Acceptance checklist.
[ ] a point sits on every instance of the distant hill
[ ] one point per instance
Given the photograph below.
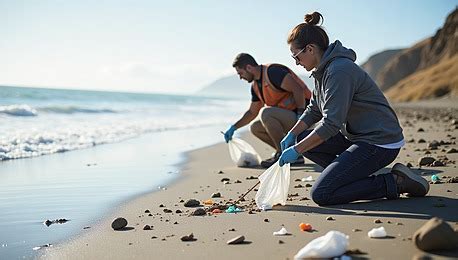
(233, 87)
(376, 62)
(426, 70)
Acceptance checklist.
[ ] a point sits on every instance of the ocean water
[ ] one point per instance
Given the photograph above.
(79, 154)
(37, 122)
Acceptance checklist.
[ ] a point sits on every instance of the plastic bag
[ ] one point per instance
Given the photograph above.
(243, 154)
(333, 244)
(274, 186)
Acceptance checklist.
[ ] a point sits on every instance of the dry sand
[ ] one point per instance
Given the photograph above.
(201, 178)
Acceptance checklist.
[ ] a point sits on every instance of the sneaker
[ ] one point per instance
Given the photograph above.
(409, 182)
(269, 162)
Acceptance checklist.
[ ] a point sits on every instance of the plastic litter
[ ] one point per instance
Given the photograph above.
(243, 154)
(233, 209)
(435, 178)
(333, 244)
(274, 186)
(208, 202)
(305, 226)
(377, 232)
(310, 178)
(217, 211)
(281, 232)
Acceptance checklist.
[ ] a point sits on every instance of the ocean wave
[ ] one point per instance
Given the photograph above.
(18, 110)
(74, 109)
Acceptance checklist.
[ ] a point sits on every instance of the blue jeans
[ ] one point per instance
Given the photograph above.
(347, 169)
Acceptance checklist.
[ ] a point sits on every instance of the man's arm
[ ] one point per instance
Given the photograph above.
(249, 115)
(290, 85)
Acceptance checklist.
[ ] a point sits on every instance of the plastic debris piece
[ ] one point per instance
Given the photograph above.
(305, 227)
(233, 209)
(208, 202)
(281, 232)
(310, 178)
(217, 211)
(377, 232)
(333, 244)
(435, 178)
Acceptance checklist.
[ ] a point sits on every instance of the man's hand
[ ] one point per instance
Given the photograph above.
(229, 133)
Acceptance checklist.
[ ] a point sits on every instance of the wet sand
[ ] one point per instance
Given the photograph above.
(205, 168)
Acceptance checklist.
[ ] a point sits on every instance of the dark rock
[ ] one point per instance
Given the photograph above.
(225, 179)
(236, 240)
(167, 211)
(330, 218)
(377, 221)
(188, 238)
(452, 150)
(199, 212)
(266, 220)
(178, 211)
(220, 172)
(161, 206)
(355, 252)
(216, 195)
(437, 164)
(281, 242)
(433, 145)
(119, 223)
(356, 230)
(453, 180)
(232, 229)
(147, 211)
(308, 185)
(252, 178)
(436, 234)
(420, 130)
(425, 161)
(238, 181)
(147, 227)
(192, 203)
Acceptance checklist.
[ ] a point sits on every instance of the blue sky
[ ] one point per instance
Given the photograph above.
(179, 46)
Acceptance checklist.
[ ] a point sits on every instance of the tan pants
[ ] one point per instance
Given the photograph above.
(273, 124)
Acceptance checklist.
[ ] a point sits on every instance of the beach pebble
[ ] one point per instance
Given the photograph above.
(453, 180)
(188, 238)
(192, 203)
(330, 218)
(225, 179)
(356, 230)
(236, 240)
(281, 242)
(178, 211)
(252, 178)
(436, 234)
(377, 221)
(147, 211)
(167, 211)
(266, 220)
(421, 140)
(220, 172)
(161, 206)
(147, 227)
(452, 150)
(425, 160)
(377, 232)
(119, 223)
(238, 181)
(420, 130)
(216, 195)
(199, 212)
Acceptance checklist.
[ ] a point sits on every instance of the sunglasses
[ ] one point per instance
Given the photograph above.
(297, 54)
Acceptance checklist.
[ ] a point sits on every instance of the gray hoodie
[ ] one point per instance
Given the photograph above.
(346, 99)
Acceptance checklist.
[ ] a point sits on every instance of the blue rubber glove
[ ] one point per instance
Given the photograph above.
(229, 133)
(290, 155)
(287, 141)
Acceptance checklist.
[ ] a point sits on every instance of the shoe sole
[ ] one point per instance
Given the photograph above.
(405, 172)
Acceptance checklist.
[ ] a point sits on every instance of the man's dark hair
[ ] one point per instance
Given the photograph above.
(244, 59)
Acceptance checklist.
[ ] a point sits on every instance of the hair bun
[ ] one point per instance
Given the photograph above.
(313, 18)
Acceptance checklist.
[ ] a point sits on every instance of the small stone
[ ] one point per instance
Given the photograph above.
(178, 211)
(452, 150)
(377, 221)
(330, 218)
(453, 180)
(199, 212)
(150, 215)
(216, 195)
(433, 145)
(399, 224)
(232, 229)
(308, 185)
(147, 211)
(225, 179)
(161, 206)
(356, 230)
(437, 164)
(266, 220)
(167, 211)
(220, 172)
(355, 252)
(252, 178)
(181, 201)
(420, 130)
(425, 160)
(153, 237)
(192, 203)
(236, 240)
(281, 242)
(119, 223)
(175, 223)
(188, 238)
(421, 141)
(299, 186)
(238, 181)
(147, 227)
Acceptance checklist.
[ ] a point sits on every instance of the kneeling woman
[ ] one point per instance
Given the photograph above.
(357, 132)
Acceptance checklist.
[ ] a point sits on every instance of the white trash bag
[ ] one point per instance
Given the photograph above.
(243, 154)
(333, 244)
(274, 186)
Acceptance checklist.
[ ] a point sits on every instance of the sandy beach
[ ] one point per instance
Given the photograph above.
(201, 177)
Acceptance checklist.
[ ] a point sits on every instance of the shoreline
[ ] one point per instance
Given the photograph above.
(199, 179)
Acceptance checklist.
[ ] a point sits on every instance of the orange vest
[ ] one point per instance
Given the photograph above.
(277, 98)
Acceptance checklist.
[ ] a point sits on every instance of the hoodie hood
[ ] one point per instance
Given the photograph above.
(334, 50)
